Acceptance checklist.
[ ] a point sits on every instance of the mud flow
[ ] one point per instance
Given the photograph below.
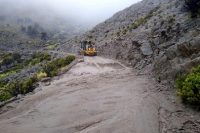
(96, 65)
(96, 96)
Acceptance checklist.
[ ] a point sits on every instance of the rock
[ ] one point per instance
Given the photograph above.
(188, 48)
(46, 79)
(183, 49)
(47, 83)
(171, 52)
(190, 64)
(156, 41)
(195, 44)
(146, 49)
(19, 96)
(135, 43)
(38, 89)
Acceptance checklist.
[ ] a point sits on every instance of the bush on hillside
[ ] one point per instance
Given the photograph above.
(34, 30)
(44, 36)
(4, 95)
(26, 85)
(37, 58)
(22, 86)
(10, 58)
(188, 87)
(2, 83)
(52, 68)
(14, 88)
(42, 56)
(41, 75)
(193, 6)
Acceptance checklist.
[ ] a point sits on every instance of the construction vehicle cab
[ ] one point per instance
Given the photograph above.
(88, 48)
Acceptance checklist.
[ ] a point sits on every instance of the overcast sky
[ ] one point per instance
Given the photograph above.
(91, 11)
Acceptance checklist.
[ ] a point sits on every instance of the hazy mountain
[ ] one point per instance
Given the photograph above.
(24, 21)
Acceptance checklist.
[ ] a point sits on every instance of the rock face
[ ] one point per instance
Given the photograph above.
(152, 32)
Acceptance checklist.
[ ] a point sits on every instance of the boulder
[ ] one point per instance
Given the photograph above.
(146, 49)
(184, 49)
(171, 52)
(187, 66)
(187, 48)
(46, 79)
(195, 44)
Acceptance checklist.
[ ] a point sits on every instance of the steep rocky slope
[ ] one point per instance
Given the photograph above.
(157, 34)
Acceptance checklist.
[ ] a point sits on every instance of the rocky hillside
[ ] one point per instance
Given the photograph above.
(29, 39)
(156, 34)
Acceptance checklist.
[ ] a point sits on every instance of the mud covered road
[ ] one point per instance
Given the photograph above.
(96, 96)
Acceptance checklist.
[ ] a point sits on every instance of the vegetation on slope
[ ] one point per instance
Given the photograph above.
(193, 6)
(188, 87)
(138, 22)
(27, 84)
(52, 68)
(14, 63)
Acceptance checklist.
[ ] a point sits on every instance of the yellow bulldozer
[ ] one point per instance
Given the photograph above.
(88, 48)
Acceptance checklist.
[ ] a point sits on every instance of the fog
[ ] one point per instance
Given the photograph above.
(86, 12)
(93, 11)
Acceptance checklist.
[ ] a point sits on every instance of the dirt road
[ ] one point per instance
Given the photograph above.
(96, 96)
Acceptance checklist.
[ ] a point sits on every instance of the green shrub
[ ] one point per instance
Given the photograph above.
(26, 85)
(16, 56)
(124, 31)
(5, 74)
(2, 83)
(118, 33)
(13, 88)
(41, 75)
(42, 56)
(9, 58)
(22, 86)
(11, 71)
(4, 95)
(52, 68)
(69, 59)
(188, 87)
(143, 20)
(51, 47)
(193, 6)
(171, 19)
(39, 57)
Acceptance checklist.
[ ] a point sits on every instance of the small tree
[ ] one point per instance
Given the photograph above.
(44, 36)
(23, 29)
(193, 6)
(31, 31)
